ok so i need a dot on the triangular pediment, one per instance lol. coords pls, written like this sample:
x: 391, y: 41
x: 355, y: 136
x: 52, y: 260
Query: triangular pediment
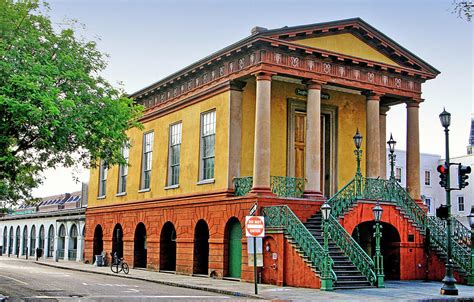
x: 348, y: 44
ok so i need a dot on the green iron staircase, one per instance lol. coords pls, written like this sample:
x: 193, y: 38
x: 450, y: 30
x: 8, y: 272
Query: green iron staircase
x: 361, y: 188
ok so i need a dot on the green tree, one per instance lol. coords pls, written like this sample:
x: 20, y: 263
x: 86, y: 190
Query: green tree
x: 55, y: 108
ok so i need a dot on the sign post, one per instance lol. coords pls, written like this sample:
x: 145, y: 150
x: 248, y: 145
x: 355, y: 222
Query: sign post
x: 255, y: 227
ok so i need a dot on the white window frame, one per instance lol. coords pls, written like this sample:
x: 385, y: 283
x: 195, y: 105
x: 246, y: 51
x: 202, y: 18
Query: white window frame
x: 461, y: 197
x: 207, y: 130
x: 427, y: 172
x: 102, y: 180
x: 147, y: 160
x: 428, y: 202
x: 123, y: 171
x: 175, y: 140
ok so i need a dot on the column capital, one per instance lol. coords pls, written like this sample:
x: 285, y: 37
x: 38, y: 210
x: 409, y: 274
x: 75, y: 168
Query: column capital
x: 413, y: 103
x: 237, y: 85
x: 264, y: 75
x: 313, y: 84
x: 373, y: 95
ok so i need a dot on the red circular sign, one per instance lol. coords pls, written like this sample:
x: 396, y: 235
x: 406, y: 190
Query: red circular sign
x: 255, y: 226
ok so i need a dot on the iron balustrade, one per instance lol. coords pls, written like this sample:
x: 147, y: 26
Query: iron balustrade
x: 282, y: 217
x: 61, y: 254
x: 281, y: 186
x: 72, y: 254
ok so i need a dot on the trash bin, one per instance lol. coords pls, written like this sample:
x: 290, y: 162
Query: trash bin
x: 39, y: 252
x: 99, y: 260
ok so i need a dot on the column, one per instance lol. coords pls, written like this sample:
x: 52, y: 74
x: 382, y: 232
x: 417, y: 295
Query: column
x: 46, y: 245
x: 373, y: 135
x: 235, y: 130
x: 21, y: 242
x: 80, y: 248
x: 413, y: 150
x: 55, y: 251
x: 261, y: 157
x: 383, y: 141
x: 313, y: 140
x: 66, y: 247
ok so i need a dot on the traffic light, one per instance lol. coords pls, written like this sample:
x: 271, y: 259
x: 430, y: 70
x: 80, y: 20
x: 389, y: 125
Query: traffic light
x: 443, y: 175
x: 442, y: 212
x: 463, y: 176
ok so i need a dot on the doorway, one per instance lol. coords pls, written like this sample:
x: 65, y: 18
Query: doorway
x: 140, y: 254
x: 168, y: 248
x: 201, y: 249
x: 233, y: 249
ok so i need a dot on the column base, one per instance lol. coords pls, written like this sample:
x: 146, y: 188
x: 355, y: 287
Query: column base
x: 326, y: 284
x: 316, y: 195
x: 262, y: 191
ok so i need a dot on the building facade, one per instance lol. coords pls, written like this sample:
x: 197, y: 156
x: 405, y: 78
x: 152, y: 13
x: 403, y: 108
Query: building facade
x: 50, y: 228
x: 270, y: 120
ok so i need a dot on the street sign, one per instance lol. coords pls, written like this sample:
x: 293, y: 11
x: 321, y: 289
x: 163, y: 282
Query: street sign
x: 251, y: 251
x: 254, y: 226
x: 253, y: 210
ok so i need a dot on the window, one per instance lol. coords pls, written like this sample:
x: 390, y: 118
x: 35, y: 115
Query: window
x: 427, y: 178
x: 102, y: 178
x: 461, y: 203
x: 146, y: 160
x: 428, y: 204
x: 398, y: 174
x: 174, y: 154
x: 208, y: 140
x: 123, y: 171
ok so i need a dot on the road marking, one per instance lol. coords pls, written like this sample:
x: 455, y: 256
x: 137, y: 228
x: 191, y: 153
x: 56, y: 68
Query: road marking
x: 19, y: 281
x: 131, y: 290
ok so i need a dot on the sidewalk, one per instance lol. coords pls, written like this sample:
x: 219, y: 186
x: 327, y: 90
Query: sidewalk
x: 394, y: 291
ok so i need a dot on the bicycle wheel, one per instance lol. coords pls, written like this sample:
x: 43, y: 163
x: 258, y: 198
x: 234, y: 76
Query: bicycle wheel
x: 125, y: 268
x: 114, y: 267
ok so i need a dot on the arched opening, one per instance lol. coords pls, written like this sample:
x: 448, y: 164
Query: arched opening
x: 201, y: 248
x: 389, y: 246
x: 5, y: 238
x: 72, y: 252
x: 233, y: 249
x: 61, y: 241
x: 117, y: 241
x: 10, y: 241
x: 17, y: 241
x: 168, y: 247
x: 140, y: 255
x: 41, y: 238
x: 98, y: 245
x: 50, y: 241
x: 33, y: 241
x: 25, y: 241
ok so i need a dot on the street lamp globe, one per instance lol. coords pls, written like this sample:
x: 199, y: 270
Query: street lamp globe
x: 445, y: 118
x: 470, y: 217
x: 326, y: 211
x: 391, y: 144
x: 377, y: 212
x: 357, y: 139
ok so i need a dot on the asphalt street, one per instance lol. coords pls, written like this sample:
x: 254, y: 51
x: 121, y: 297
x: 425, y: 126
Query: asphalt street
x: 27, y: 281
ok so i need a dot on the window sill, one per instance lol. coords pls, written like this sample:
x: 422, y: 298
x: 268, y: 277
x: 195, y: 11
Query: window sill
x: 121, y: 194
x: 144, y: 190
x: 172, y: 187
x: 206, y: 181
x: 100, y: 197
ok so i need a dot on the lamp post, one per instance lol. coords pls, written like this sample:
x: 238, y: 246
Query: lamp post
x: 449, y: 287
x: 391, y: 146
x: 326, y: 280
x: 378, y: 258
x: 470, y: 218
x: 358, y: 153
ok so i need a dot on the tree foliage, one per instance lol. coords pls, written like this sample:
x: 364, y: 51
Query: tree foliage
x: 463, y: 8
x: 55, y: 108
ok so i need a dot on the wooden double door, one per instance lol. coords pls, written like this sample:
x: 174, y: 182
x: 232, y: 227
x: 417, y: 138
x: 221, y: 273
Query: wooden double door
x: 297, y: 144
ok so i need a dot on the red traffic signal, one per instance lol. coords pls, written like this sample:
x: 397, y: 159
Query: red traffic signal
x: 443, y: 169
x: 443, y: 175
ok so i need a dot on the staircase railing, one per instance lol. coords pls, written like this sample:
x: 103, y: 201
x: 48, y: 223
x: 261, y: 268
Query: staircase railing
x: 281, y: 186
x: 352, y: 250
x: 283, y: 217
x: 391, y: 191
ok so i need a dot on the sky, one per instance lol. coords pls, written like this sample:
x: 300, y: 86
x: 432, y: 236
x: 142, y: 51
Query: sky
x: 148, y: 40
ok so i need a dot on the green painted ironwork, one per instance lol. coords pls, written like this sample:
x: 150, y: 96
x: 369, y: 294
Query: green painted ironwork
x: 242, y: 185
x: 283, y: 186
x: 391, y: 191
x: 352, y: 249
x: 282, y: 217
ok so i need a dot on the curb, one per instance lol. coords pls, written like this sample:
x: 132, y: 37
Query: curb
x: 203, y: 288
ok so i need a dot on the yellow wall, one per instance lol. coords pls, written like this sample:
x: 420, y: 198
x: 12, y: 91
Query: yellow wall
x: 189, y: 170
x: 347, y: 44
x: 350, y: 116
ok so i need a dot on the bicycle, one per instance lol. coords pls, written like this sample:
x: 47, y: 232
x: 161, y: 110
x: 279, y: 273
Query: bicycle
x: 119, y: 265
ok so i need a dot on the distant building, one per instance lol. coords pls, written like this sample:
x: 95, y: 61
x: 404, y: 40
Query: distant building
x: 470, y: 147
x: 52, y: 227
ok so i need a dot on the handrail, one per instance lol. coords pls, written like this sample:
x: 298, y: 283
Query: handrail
x: 281, y: 186
x: 283, y: 217
x: 352, y: 250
